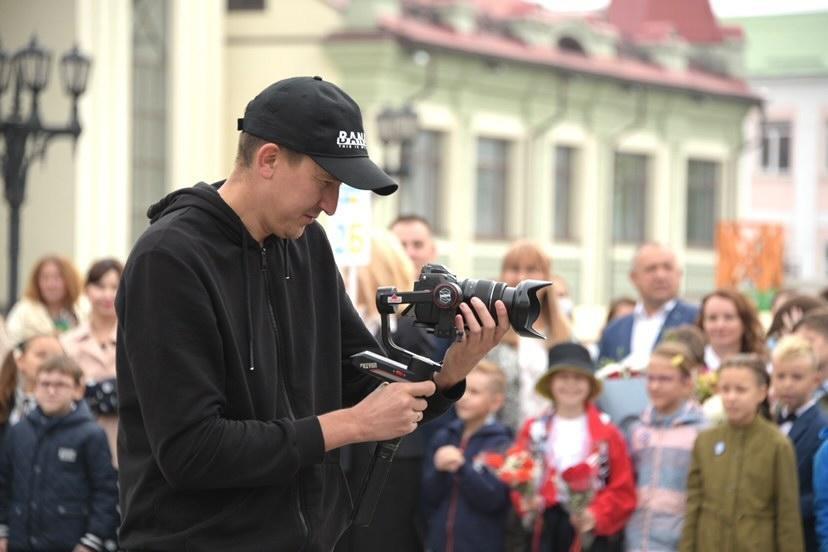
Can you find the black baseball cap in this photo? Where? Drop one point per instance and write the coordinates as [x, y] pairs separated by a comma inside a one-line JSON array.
[[317, 118]]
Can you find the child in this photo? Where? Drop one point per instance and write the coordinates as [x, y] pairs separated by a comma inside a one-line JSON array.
[[469, 502], [57, 485], [660, 446], [741, 491], [795, 381], [18, 375], [572, 433]]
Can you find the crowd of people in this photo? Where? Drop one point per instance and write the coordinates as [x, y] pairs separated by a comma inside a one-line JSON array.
[[209, 380], [724, 449]]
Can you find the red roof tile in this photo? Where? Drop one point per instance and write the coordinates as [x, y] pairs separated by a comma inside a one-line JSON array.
[[626, 69], [692, 19]]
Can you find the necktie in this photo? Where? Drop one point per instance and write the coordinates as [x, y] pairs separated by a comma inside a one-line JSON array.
[[781, 419]]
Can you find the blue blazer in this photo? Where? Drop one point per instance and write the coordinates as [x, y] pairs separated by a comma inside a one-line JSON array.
[[616, 341], [805, 437]]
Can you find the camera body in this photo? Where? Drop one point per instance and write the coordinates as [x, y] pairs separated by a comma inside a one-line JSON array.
[[447, 292]]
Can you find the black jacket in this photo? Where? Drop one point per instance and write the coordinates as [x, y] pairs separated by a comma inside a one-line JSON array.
[[57, 484], [227, 352]]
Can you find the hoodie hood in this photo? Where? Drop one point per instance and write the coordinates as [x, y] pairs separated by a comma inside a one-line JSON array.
[[78, 415], [205, 197]]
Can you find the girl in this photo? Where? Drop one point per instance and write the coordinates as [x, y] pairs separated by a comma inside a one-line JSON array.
[[92, 346], [17, 376], [575, 433], [742, 488], [525, 359], [49, 303]]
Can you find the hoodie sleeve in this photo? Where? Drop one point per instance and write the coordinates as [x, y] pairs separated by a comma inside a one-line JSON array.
[[171, 378]]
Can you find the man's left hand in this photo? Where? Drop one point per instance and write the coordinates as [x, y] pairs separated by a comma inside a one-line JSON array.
[[482, 334]]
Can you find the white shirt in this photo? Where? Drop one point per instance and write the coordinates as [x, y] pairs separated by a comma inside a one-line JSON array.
[[711, 359], [568, 443], [532, 360], [645, 331]]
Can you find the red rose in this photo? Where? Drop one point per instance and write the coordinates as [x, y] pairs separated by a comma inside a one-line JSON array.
[[579, 478]]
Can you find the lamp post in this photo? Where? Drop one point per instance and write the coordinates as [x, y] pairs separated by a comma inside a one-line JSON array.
[[26, 137], [397, 127]]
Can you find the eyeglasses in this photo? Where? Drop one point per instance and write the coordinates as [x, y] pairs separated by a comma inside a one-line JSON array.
[[56, 385]]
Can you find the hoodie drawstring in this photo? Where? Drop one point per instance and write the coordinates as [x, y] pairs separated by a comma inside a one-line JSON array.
[[247, 299]]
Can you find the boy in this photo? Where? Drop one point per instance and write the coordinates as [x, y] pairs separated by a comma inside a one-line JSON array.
[[469, 503], [57, 485], [813, 327], [795, 380], [661, 445]]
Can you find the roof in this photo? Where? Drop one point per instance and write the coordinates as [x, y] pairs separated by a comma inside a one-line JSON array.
[[693, 20]]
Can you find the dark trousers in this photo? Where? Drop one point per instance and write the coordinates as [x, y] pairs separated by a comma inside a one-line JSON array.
[[397, 523], [557, 535]]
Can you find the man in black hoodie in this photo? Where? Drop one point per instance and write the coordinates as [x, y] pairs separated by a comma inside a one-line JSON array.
[[234, 337]]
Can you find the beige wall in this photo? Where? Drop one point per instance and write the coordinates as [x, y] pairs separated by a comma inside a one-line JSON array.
[[263, 47], [48, 215]]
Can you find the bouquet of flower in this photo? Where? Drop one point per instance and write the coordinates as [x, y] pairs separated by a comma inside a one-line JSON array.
[[580, 482], [519, 471], [706, 386]]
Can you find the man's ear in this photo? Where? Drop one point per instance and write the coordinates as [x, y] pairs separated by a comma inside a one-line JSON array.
[[265, 159]]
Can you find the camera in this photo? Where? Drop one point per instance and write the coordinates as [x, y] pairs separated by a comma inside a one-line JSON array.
[[446, 293], [435, 301]]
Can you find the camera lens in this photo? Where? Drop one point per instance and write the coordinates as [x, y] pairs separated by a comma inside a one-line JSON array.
[[522, 302]]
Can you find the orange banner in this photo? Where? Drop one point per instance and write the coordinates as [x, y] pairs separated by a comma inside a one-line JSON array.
[[750, 255]]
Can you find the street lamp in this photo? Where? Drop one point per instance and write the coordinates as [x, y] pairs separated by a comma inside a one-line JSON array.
[[397, 127], [26, 138]]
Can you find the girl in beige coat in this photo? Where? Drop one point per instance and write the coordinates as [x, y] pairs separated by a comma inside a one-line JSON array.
[[742, 489]]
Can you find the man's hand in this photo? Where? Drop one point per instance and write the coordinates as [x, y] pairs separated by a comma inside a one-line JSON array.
[[463, 355], [80, 548], [4, 545], [390, 411], [448, 458]]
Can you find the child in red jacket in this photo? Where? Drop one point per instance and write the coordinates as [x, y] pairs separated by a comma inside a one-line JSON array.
[[574, 434]]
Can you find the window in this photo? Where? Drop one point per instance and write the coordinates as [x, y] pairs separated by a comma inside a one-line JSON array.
[[776, 147], [569, 44], [149, 109], [492, 175], [702, 202], [629, 205], [421, 191], [564, 186]]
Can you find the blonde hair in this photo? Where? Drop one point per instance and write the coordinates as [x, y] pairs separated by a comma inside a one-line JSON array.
[[677, 354], [556, 326], [792, 347], [497, 379], [389, 267]]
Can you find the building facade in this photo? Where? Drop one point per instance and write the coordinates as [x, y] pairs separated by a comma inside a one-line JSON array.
[[786, 169], [589, 134]]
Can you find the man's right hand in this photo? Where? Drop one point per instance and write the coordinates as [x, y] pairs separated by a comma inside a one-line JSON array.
[[390, 411], [4, 545]]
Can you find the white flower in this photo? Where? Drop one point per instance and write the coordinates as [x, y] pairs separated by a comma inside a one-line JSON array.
[[537, 431]]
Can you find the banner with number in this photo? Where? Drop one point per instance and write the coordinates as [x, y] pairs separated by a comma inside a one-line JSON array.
[[349, 230]]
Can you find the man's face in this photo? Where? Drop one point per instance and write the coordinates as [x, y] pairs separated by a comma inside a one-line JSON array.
[[417, 242], [297, 194], [656, 275]]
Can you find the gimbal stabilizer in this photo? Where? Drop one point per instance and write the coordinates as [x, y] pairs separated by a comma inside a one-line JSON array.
[[417, 368]]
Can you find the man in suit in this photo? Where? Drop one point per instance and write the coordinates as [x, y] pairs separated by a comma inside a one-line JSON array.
[[795, 380], [656, 275]]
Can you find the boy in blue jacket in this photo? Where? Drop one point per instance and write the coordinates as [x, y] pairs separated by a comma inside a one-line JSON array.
[[58, 488], [795, 380], [469, 503]]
